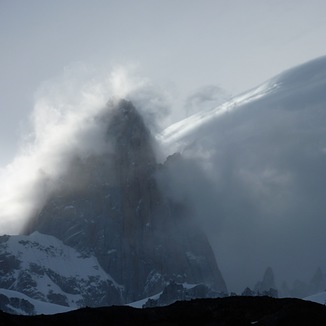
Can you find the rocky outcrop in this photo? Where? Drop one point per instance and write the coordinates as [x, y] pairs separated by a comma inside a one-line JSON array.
[[111, 206], [12, 305], [268, 281], [182, 292]]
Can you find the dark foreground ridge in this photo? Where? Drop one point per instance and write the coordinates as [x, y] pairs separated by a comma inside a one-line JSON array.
[[220, 311]]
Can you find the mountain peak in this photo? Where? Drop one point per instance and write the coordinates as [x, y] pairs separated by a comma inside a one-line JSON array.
[[122, 217], [127, 132]]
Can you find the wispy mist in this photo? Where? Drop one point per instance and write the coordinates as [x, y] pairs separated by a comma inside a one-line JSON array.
[[265, 163], [66, 122]]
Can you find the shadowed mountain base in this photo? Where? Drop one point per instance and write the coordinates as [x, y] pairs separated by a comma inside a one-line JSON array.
[[220, 311]]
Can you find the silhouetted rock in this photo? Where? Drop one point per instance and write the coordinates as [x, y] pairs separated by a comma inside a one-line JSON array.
[[227, 311], [267, 285]]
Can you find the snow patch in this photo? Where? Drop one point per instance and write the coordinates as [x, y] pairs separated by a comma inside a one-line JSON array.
[[318, 298]]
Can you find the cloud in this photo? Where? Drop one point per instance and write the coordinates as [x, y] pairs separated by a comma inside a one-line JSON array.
[[264, 168], [206, 97], [66, 122]]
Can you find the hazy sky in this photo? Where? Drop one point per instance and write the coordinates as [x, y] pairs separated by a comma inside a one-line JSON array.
[[180, 45]]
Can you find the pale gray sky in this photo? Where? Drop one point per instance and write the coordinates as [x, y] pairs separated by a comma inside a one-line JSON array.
[[179, 44]]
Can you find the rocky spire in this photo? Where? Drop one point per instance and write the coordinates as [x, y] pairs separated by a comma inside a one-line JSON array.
[[142, 239]]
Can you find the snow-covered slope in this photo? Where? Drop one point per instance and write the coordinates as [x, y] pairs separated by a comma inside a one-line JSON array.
[[263, 154], [44, 269], [319, 298]]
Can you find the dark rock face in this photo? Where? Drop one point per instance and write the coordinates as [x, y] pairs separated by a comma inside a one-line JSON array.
[[111, 206], [16, 303]]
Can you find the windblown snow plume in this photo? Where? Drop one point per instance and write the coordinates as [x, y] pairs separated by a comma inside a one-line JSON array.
[[65, 122]]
